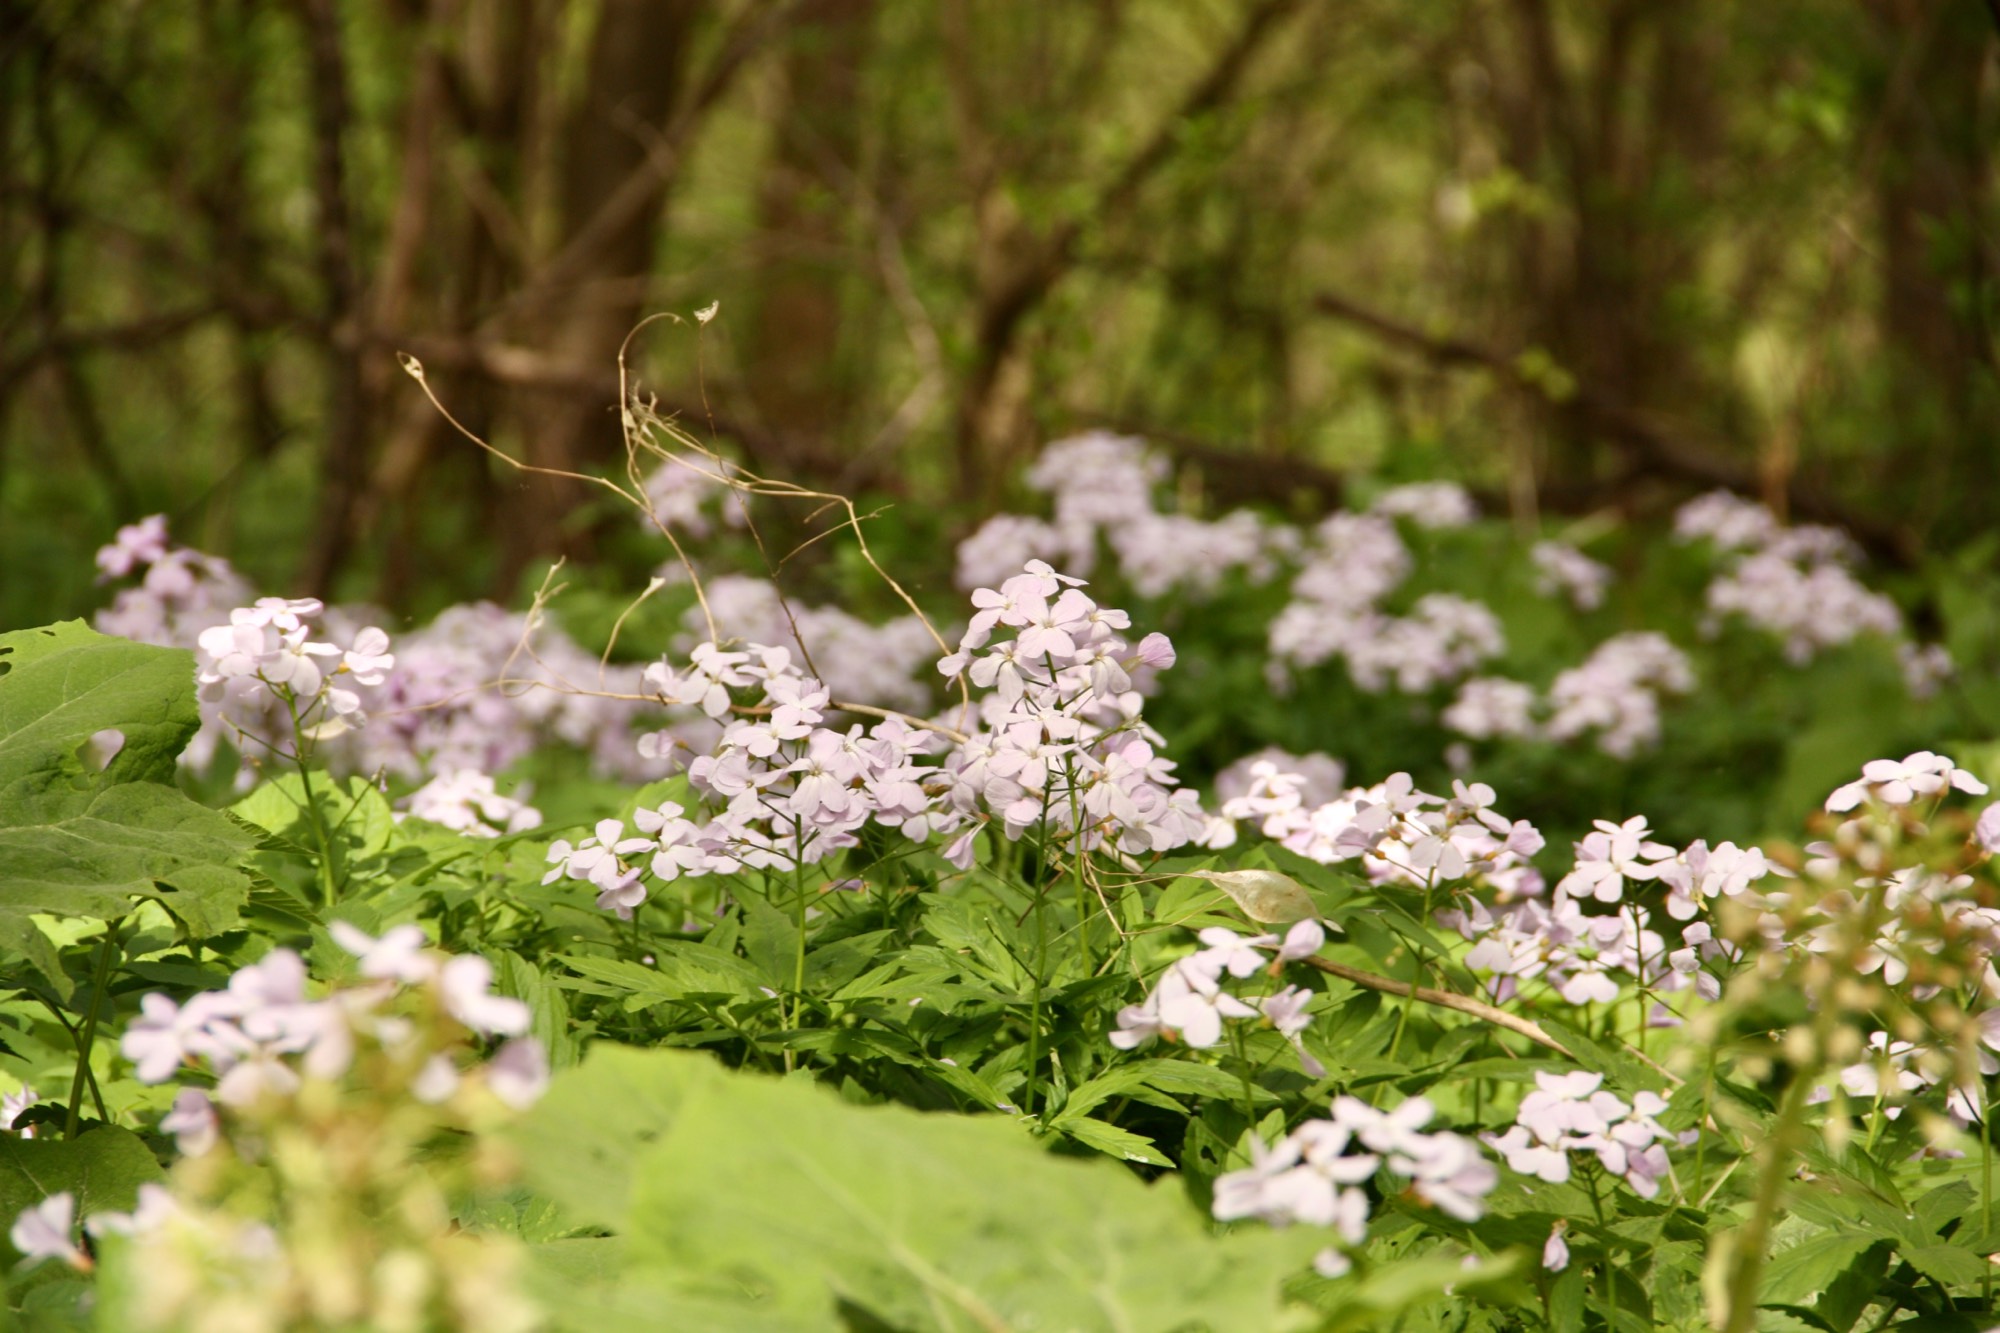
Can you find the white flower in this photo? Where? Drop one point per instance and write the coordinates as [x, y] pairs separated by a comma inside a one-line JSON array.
[[463, 982], [400, 953], [1899, 782], [1987, 831], [47, 1230], [193, 1123], [1229, 952], [518, 1073], [155, 1206], [1555, 1254], [436, 1081], [11, 1107], [1195, 1006]]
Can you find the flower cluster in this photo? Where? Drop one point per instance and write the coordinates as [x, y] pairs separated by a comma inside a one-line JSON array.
[[1584, 957], [684, 496], [1563, 570], [1059, 741], [1489, 707], [1436, 505], [1924, 667], [1314, 1175], [466, 800], [874, 664], [1101, 487], [1898, 782], [1572, 1112], [1726, 520], [788, 791], [1614, 694], [480, 688], [1189, 1003], [1399, 833], [1792, 583], [1164, 553], [1321, 777], [266, 655], [262, 1037], [317, 1186], [1055, 742], [1356, 560]]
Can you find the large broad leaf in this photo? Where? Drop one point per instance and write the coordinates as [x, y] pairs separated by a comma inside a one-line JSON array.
[[102, 1170], [777, 1196], [79, 840]]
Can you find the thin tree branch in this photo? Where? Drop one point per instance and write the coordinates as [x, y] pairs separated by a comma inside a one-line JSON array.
[[1464, 1004], [1653, 447], [134, 336]]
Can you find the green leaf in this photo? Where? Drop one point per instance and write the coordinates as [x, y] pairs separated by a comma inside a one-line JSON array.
[[831, 966], [924, 1222], [583, 1287], [1844, 1300], [64, 683], [357, 814], [103, 1169], [1796, 1275], [549, 1011], [1946, 1203], [80, 842], [771, 940], [1113, 1141], [1175, 1077], [1384, 1294], [579, 1140], [1946, 1263], [1627, 1072]]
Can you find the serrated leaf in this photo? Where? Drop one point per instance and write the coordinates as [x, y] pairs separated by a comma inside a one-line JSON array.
[[771, 940], [63, 684], [1844, 1300], [1946, 1203], [1797, 1274], [1946, 1263], [831, 966]]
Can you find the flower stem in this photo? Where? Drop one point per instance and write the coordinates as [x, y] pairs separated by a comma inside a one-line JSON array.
[[1610, 1268], [314, 815], [100, 981]]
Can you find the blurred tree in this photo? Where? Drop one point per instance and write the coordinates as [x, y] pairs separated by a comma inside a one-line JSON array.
[[1575, 254]]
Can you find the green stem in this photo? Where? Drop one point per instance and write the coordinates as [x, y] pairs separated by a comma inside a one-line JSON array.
[[799, 940], [1986, 1186], [1610, 1268], [1707, 1119], [314, 815], [1035, 1017], [1423, 972], [1076, 870], [100, 981]]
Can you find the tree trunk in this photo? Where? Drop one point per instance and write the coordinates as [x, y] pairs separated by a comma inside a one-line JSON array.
[[634, 78], [794, 367]]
